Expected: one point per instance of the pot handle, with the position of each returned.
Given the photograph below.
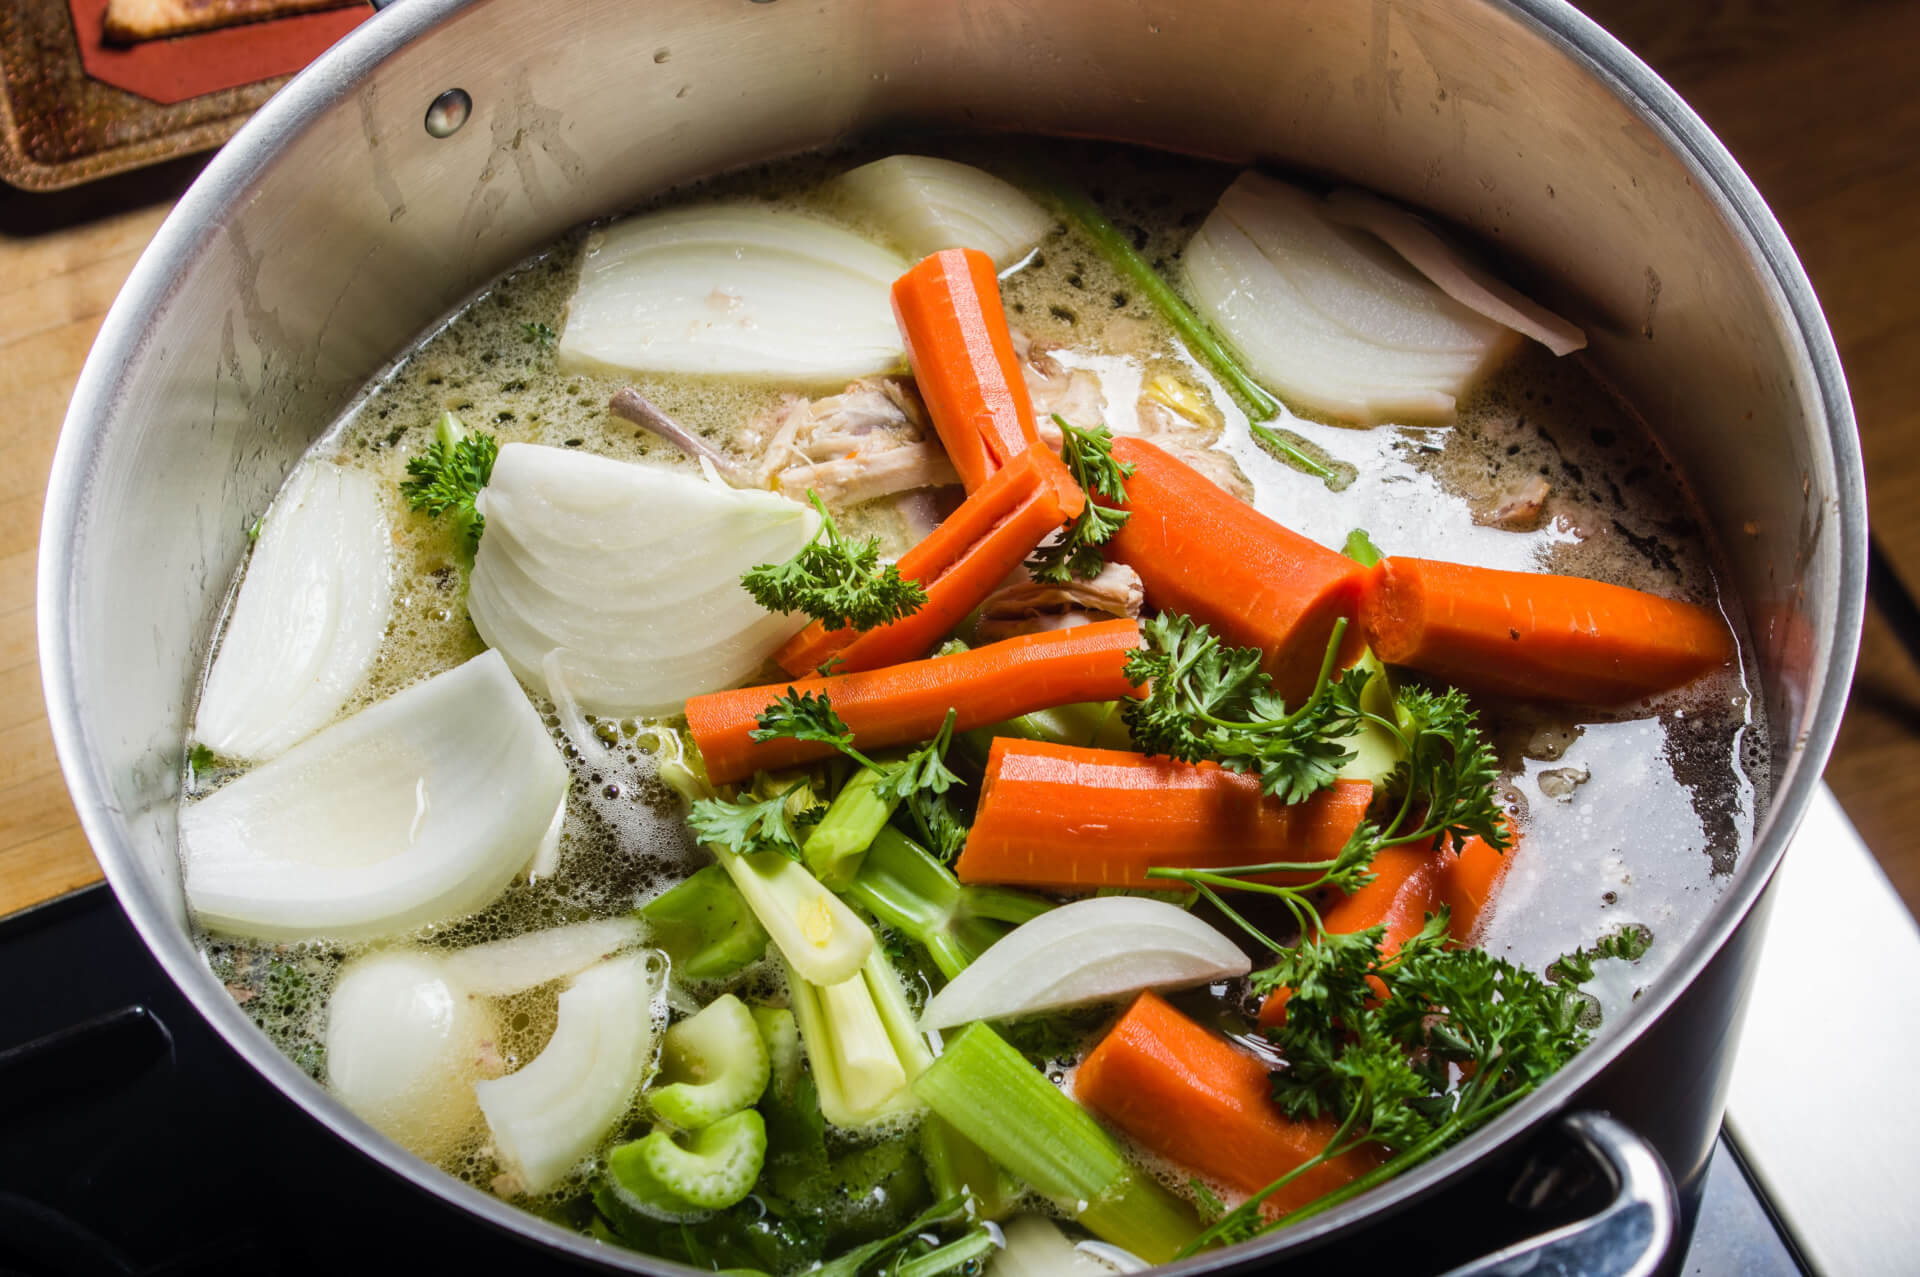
(1629, 1237)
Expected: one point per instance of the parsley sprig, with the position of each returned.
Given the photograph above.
(1207, 701)
(838, 582)
(920, 781)
(1410, 1050)
(750, 823)
(1076, 553)
(448, 476)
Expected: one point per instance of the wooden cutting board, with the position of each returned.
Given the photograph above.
(1811, 97)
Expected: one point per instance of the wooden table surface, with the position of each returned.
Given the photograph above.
(1814, 99)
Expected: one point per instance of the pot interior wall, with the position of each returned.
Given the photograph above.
(336, 229)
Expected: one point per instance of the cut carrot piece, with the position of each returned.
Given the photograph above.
(1411, 881)
(959, 563)
(1530, 634)
(900, 704)
(1193, 1098)
(1254, 582)
(1068, 818)
(949, 311)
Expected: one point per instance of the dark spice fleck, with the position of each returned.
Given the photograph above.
(1119, 301)
(575, 443)
(1062, 313)
(1075, 281)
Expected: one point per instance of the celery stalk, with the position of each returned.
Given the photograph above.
(956, 1165)
(989, 1092)
(705, 926)
(862, 1040)
(819, 937)
(712, 1064)
(834, 849)
(906, 888)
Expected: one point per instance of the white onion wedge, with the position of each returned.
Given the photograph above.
(1087, 951)
(1330, 317)
(549, 1116)
(736, 290)
(1035, 1247)
(631, 572)
(415, 811)
(310, 615)
(926, 204)
(404, 1044)
(502, 967)
(1430, 253)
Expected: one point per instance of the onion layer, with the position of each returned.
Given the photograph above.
(925, 205)
(737, 290)
(310, 615)
(1331, 317)
(418, 810)
(404, 1043)
(631, 572)
(550, 1116)
(1087, 951)
(1430, 253)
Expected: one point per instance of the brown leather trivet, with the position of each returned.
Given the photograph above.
(191, 66)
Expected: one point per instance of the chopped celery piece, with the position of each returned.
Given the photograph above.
(901, 884)
(819, 936)
(1094, 724)
(862, 1040)
(988, 1091)
(712, 1064)
(782, 1040)
(705, 926)
(1376, 751)
(968, 1250)
(858, 812)
(640, 1192)
(715, 1167)
(955, 1165)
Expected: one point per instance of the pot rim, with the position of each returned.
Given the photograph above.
(194, 222)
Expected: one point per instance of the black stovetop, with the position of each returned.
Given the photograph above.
(132, 1140)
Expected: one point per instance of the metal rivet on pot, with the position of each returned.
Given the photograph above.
(448, 112)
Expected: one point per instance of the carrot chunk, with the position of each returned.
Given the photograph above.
(959, 563)
(899, 704)
(1071, 819)
(1531, 634)
(1253, 581)
(1191, 1097)
(949, 311)
(1411, 881)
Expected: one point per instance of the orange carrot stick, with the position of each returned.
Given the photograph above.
(1071, 819)
(899, 704)
(959, 563)
(1189, 1096)
(1534, 635)
(1411, 881)
(949, 311)
(1256, 583)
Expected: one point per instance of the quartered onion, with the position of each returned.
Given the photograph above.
(925, 205)
(1450, 270)
(1330, 317)
(631, 573)
(418, 810)
(1087, 951)
(734, 289)
(310, 615)
(404, 1044)
(550, 1116)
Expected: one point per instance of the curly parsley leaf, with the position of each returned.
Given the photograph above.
(805, 716)
(1076, 553)
(446, 479)
(1207, 701)
(747, 824)
(838, 582)
(1451, 767)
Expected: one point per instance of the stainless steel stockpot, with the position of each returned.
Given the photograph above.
(352, 213)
